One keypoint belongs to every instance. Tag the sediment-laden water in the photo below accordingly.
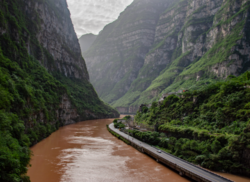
(87, 152)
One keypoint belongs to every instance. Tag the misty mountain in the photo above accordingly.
(162, 46)
(86, 41)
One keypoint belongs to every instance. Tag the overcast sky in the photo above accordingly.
(90, 16)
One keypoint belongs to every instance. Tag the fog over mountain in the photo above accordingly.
(90, 16)
(163, 46)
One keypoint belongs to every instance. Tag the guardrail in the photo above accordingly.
(192, 164)
(183, 170)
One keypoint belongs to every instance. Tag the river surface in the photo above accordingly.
(87, 152)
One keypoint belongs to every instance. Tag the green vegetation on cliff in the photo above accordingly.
(209, 125)
(194, 43)
(84, 97)
(119, 51)
(182, 71)
(24, 92)
(30, 96)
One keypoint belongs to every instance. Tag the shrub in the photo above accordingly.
(212, 131)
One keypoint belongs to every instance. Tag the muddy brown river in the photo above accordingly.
(87, 152)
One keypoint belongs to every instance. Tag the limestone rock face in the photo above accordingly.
(121, 47)
(33, 32)
(164, 46)
(67, 113)
(57, 36)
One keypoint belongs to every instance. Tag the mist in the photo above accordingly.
(90, 16)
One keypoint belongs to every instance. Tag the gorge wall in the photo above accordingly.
(46, 31)
(164, 46)
(44, 82)
(44, 79)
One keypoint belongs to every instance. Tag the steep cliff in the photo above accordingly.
(86, 42)
(44, 83)
(118, 53)
(188, 43)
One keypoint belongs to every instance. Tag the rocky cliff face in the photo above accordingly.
(86, 42)
(167, 46)
(56, 35)
(33, 32)
(43, 80)
(120, 49)
(44, 83)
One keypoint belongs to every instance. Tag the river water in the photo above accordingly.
(87, 152)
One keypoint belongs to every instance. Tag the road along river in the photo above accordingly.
(86, 151)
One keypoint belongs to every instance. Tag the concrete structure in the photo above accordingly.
(121, 121)
(127, 110)
(183, 167)
(170, 93)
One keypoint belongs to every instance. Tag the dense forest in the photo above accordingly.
(208, 125)
(32, 88)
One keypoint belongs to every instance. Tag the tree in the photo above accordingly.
(216, 146)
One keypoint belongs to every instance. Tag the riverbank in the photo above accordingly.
(118, 136)
(142, 149)
(86, 151)
(183, 167)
